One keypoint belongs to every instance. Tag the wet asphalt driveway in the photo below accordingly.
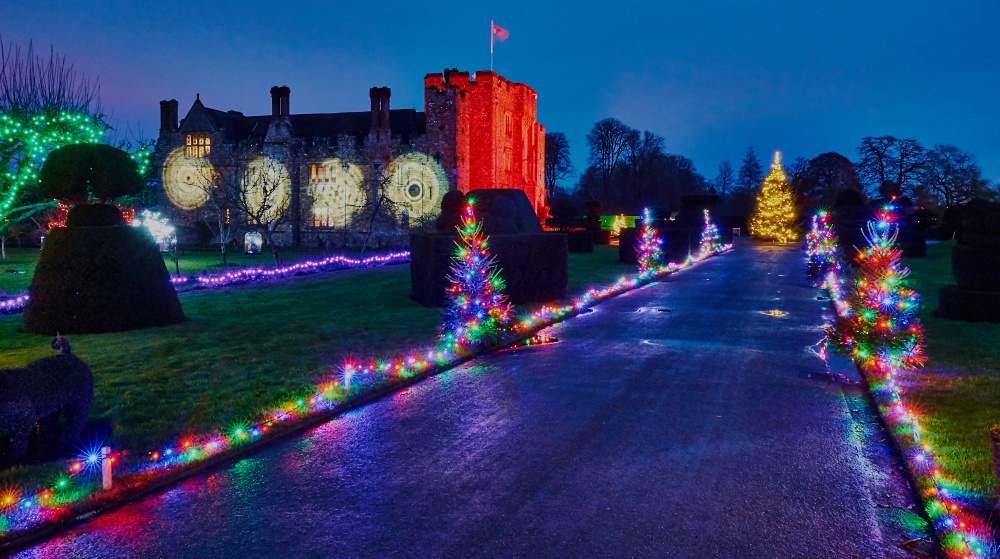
(690, 418)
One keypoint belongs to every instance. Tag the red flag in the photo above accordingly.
(500, 32)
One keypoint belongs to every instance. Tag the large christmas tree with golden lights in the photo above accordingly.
(774, 216)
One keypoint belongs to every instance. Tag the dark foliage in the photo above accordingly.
(51, 397)
(95, 215)
(79, 173)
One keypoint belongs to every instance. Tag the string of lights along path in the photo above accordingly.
(479, 320)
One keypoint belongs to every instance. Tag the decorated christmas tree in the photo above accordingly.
(774, 215)
(711, 240)
(478, 312)
(880, 328)
(649, 248)
(821, 247)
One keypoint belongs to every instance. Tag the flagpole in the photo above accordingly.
(491, 45)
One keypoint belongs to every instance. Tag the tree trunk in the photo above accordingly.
(3, 247)
(371, 222)
(274, 248)
(224, 263)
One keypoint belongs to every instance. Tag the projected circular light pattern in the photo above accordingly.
(334, 191)
(267, 187)
(416, 183)
(187, 180)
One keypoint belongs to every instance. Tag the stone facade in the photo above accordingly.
(476, 132)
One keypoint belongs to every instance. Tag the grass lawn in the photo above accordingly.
(959, 390)
(246, 349)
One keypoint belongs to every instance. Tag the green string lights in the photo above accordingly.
(26, 140)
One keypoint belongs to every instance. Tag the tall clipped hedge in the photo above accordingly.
(100, 279)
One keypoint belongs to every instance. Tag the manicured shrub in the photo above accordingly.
(50, 397)
(100, 279)
(78, 173)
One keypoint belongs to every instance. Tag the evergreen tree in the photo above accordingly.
(478, 312)
(649, 249)
(880, 328)
(774, 215)
(711, 240)
(751, 173)
(821, 248)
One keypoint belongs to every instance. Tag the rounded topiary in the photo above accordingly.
(78, 173)
(100, 279)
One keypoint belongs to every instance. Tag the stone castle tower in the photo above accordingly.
(483, 130)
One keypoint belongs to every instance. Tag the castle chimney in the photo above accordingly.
(166, 124)
(275, 103)
(384, 93)
(374, 94)
(173, 114)
(284, 94)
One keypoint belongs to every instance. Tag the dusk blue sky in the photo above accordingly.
(710, 77)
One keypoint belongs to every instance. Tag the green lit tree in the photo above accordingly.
(44, 104)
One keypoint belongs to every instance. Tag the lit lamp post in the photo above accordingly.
(173, 248)
(344, 190)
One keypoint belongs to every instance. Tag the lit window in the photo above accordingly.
(322, 217)
(197, 145)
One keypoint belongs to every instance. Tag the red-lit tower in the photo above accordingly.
(483, 130)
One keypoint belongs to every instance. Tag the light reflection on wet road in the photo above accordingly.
(691, 433)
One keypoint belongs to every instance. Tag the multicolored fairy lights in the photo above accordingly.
(774, 215)
(880, 326)
(711, 240)
(649, 247)
(876, 326)
(478, 312)
(822, 253)
(353, 381)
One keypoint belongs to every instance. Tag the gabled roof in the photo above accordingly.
(406, 123)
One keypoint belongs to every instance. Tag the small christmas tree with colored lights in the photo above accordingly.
(821, 247)
(774, 215)
(649, 248)
(711, 240)
(478, 312)
(880, 328)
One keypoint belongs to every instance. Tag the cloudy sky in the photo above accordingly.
(711, 77)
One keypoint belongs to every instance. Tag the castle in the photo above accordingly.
(323, 172)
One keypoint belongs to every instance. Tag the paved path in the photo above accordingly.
(705, 431)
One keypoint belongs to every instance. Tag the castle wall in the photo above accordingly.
(481, 132)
